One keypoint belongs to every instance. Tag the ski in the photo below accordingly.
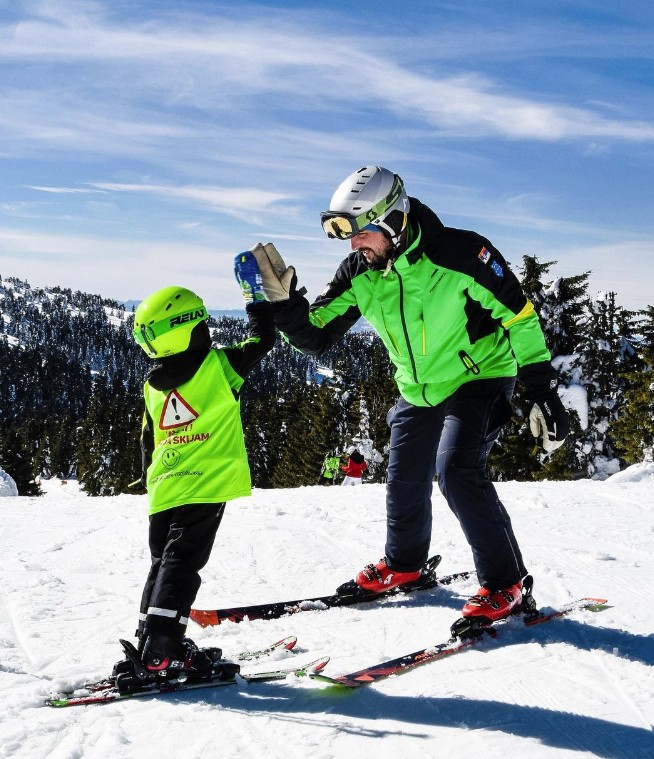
(287, 644)
(108, 695)
(207, 618)
(280, 673)
(408, 662)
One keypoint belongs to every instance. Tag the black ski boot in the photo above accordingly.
(165, 660)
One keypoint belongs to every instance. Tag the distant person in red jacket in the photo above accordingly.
(354, 468)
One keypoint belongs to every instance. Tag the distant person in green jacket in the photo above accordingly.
(194, 458)
(459, 329)
(330, 467)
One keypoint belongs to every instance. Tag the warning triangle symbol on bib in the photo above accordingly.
(176, 412)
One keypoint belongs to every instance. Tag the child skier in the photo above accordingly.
(194, 460)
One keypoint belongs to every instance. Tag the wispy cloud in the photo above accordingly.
(117, 268)
(238, 202)
(221, 67)
(63, 190)
(200, 125)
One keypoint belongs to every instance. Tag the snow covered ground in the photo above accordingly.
(71, 574)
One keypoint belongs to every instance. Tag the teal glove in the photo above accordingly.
(246, 270)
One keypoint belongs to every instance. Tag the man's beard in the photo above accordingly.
(379, 259)
(377, 264)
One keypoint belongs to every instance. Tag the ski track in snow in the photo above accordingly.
(72, 568)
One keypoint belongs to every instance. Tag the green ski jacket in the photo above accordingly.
(331, 466)
(199, 452)
(192, 443)
(449, 311)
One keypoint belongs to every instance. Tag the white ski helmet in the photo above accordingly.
(371, 196)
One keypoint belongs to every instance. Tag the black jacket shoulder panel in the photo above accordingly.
(468, 253)
(341, 282)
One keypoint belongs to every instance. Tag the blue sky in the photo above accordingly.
(143, 144)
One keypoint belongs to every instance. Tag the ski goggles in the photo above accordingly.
(342, 226)
(144, 336)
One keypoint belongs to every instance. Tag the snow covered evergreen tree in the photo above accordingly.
(18, 457)
(298, 423)
(560, 305)
(72, 380)
(633, 431)
(603, 354)
(380, 394)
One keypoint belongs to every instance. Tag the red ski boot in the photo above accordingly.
(379, 577)
(492, 605)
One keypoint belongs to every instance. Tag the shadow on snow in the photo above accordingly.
(557, 729)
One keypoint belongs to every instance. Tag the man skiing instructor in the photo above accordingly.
(459, 330)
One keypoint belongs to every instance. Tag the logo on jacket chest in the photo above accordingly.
(176, 412)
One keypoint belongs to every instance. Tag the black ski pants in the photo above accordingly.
(181, 540)
(451, 442)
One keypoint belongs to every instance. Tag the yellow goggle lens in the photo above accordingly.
(340, 227)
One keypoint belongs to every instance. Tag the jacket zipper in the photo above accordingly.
(404, 327)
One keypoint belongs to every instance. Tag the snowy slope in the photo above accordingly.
(71, 574)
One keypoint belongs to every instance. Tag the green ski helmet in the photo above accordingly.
(163, 322)
(371, 198)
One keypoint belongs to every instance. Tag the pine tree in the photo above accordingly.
(380, 394)
(261, 428)
(515, 455)
(559, 303)
(603, 355)
(18, 459)
(107, 441)
(560, 306)
(60, 447)
(633, 431)
(325, 432)
(561, 312)
(126, 439)
(297, 419)
(532, 275)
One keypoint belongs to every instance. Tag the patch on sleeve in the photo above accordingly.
(484, 256)
(497, 269)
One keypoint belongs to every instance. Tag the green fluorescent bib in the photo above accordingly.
(199, 453)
